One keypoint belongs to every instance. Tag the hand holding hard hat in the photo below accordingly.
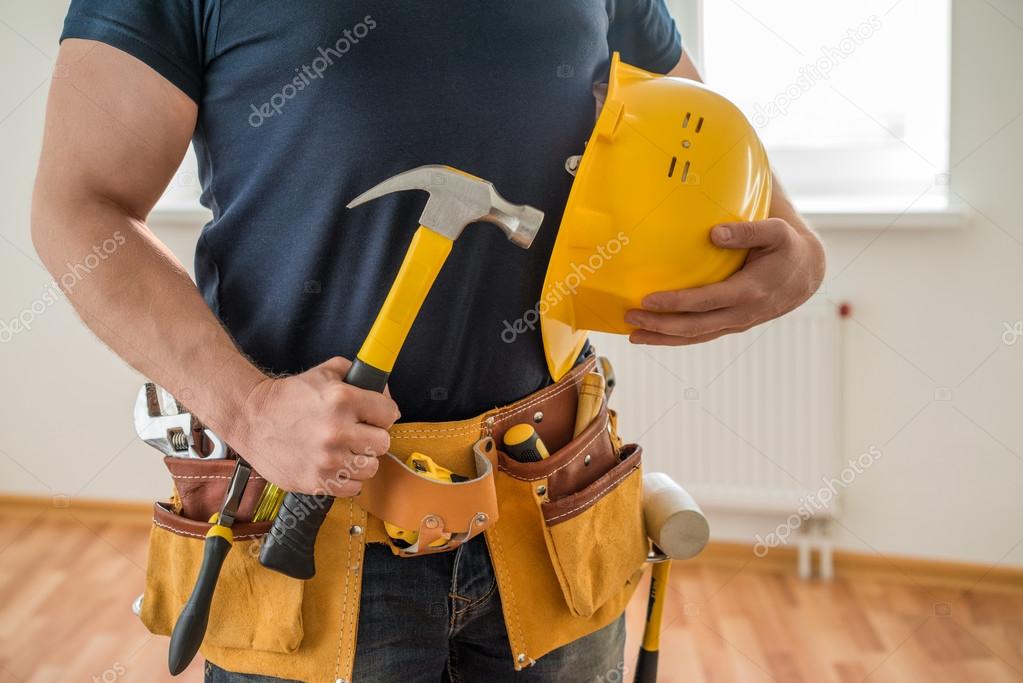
(782, 270)
(667, 161)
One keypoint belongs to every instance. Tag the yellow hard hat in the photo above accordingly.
(667, 160)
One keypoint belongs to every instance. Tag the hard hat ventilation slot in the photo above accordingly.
(671, 167)
(685, 172)
(699, 124)
(685, 121)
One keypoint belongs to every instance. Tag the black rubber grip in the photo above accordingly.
(646, 666)
(365, 376)
(288, 547)
(190, 628)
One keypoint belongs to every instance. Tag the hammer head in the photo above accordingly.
(458, 199)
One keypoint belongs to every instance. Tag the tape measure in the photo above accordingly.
(424, 466)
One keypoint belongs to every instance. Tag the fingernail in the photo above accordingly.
(632, 318)
(723, 233)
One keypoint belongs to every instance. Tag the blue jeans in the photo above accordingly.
(438, 619)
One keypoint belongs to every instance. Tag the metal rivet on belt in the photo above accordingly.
(541, 490)
(481, 518)
(432, 522)
(521, 658)
(587, 459)
(538, 417)
(355, 530)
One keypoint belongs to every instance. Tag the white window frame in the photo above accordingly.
(179, 204)
(845, 212)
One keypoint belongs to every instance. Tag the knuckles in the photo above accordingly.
(746, 231)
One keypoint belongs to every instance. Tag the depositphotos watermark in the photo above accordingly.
(1013, 332)
(816, 71)
(563, 288)
(55, 289)
(309, 73)
(821, 500)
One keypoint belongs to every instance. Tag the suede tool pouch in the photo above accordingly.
(253, 608)
(596, 535)
(589, 496)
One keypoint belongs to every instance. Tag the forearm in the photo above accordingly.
(140, 301)
(782, 207)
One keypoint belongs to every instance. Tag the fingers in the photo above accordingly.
(699, 299)
(374, 409)
(337, 365)
(690, 325)
(362, 439)
(357, 467)
(771, 232)
(657, 339)
(335, 484)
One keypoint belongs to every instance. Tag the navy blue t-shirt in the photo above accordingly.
(305, 104)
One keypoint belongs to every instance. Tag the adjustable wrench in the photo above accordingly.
(161, 422)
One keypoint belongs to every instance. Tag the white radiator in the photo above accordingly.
(747, 423)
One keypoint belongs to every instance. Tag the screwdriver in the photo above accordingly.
(522, 443)
(190, 628)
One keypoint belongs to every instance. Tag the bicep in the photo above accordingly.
(115, 129)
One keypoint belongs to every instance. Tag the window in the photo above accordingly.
(850, 98)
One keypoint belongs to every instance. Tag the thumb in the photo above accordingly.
(746, 234)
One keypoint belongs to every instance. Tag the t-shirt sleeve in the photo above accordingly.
(165, 34)
(644, 32)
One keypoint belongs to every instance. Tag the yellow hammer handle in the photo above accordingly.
(423, 260)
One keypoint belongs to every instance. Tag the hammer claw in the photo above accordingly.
(457, 199)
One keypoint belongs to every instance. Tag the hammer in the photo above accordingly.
(456, 200)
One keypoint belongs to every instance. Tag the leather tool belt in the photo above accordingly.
(565, 536)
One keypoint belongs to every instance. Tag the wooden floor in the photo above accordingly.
(66, 589)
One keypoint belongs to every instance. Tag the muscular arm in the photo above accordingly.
(784, 267)
(115, 134)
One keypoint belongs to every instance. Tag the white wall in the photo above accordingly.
(929, 308)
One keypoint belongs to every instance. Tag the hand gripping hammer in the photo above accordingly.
(457, 199)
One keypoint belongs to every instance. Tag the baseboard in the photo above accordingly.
(57, 508)
(958, 575)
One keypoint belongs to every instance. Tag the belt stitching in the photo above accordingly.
(582, 449)
(344, 600)
(511, 591)
(210, 476)
(241, 537)
(597, 495)
(499, 417)
(352, 627)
